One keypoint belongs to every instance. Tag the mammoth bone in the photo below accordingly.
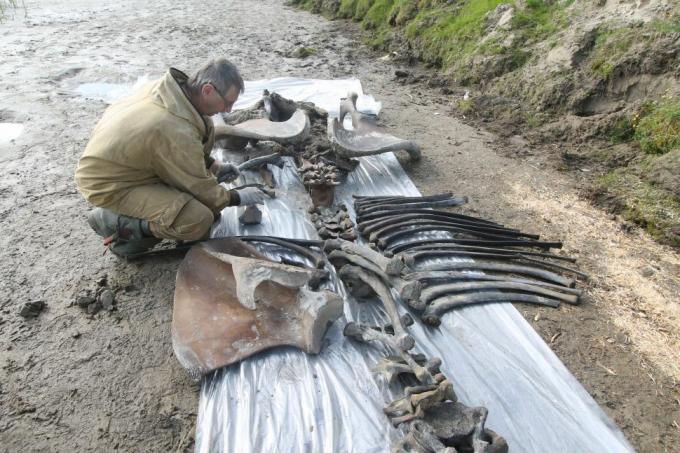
(232, 302)
(364, 139)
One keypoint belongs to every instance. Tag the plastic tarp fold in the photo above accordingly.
(283, 400)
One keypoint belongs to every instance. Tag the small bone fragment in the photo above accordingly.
(251, 215)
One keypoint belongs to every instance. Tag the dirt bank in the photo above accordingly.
(70, 380)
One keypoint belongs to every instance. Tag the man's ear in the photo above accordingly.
(206, 89)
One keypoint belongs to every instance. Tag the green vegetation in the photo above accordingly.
(657, 127)
(644, 204)
(303, 52)
(6, 5)
(449, 33)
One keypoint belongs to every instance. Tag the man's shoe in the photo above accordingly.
(131, 249)
(125, 236)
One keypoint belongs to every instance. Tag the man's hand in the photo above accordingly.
(225, 172)
(250, 196)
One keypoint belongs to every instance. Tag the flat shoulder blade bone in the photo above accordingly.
(211, 328)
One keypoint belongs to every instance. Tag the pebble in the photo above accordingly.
(647, 271)
(32, 309)
(107, 299)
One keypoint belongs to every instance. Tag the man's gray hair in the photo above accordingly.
(221, 73)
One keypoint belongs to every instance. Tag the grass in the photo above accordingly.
(6, 5)
(643, 204)
(657, 127)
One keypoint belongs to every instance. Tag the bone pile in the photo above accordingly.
(433, 419)
(478, 262)
(333, 222)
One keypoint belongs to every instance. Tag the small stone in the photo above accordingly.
(75, 334)
(32, 309)
(107, 299)
(101, 281)
(94, 308)
(84, 301)
(400, 73)
(647, 271)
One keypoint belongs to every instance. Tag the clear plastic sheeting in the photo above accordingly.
(284, 400)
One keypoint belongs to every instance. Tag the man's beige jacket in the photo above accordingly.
(155, 136)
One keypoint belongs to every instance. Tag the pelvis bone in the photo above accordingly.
(364, 139)
(231, 302)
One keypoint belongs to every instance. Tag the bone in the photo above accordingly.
(400, 228)
(397, 248)
(316, 259)
(387, 241)
(388, 266)
(363, 202)
(361, 212)
(364, 142)
(251, 215)
(410, 258)
(402, 338)
(474, 248)
(436, 291)
(397, 222)
(381, 214)
(218, 285)
(421, 438)
(505, 268)
(293, 131)
(433, 312)
(365, 334)
(257, 162)
(392, 216)
(412, 285)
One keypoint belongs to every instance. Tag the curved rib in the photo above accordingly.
(441, 305)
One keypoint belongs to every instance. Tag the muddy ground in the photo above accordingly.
(70, 380)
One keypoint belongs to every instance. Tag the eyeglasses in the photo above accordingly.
(227, 103)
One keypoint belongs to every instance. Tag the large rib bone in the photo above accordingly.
(256, 162)
(441, 305)
(376, 230)
(396, 248)
(474, 248)
(212, 327)
(436, 291)
(315, 258)
(369, 226)
(362, 212)
(387, 241)
(413, 284)
(410, 258)
(504, 268)
(363, 202)
(293, 131)
(374, 215)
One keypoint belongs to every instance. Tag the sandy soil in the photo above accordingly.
(109, 381)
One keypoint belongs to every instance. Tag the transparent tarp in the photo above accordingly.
(284, 400)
